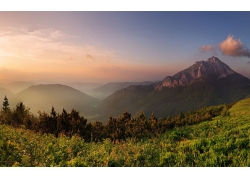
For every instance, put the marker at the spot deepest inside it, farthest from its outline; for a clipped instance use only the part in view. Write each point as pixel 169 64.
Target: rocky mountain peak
pixel 213 60
pixel 212 67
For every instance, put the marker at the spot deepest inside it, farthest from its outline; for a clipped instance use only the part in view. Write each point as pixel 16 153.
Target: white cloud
pixel 234 47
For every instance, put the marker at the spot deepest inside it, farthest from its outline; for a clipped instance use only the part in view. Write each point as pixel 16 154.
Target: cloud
pixel 47 45
pixel 208 48
pixel 233 47
pixel 89 56
pixel 205 48
pixel 248 62
pixel 47 33
pixel 40 53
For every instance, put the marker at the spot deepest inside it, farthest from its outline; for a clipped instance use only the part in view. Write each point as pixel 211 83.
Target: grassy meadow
pixel 222 141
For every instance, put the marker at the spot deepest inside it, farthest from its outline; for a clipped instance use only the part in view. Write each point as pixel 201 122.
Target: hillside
pixel 105 90
pixel 43 97
pixel 85 87
pixel 223 141
pixel 4 92
pixel 205 83
pixel 17 86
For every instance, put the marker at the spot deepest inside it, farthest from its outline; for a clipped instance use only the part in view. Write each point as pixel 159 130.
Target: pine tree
pixel 19 113
pixel 5 104
pixel 152 117
pixel 5 115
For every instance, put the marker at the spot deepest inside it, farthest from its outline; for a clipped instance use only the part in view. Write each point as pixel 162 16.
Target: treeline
pixel 117 129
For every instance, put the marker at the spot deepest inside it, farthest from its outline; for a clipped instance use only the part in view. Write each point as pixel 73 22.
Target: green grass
pixel 223 141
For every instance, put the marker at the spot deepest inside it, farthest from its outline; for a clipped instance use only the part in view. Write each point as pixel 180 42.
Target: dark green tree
pixel 5 115
pixel 27 121
pixel 53 122
pixel 5 104
pixel 77 123
pixel 63 123
pixel 19 114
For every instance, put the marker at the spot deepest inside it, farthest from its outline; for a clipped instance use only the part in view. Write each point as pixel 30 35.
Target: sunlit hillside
pixel 222 141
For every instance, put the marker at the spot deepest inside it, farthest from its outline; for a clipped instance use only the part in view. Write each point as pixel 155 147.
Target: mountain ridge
pixel 211 67
pixel 43 96
pixel 212 83
pixel 105 90
pixel 17 86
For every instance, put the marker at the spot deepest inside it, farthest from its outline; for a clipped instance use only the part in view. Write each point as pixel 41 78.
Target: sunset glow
pixel 116 46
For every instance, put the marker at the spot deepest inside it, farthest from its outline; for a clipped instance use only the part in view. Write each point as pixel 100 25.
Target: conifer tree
pixel 5 104
pixel 152 117
pixel 19 113
pixel 5 114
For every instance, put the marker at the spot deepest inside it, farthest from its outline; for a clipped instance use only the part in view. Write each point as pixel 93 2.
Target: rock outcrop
pixel 211 67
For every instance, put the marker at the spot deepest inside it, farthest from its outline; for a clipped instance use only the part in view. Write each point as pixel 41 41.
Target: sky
pixel 112 46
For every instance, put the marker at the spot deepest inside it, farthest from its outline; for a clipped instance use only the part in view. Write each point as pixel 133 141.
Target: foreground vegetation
pixel 222 141
pixel 117 129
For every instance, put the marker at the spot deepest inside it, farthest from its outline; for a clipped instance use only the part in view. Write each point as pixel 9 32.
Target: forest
pixel 117 129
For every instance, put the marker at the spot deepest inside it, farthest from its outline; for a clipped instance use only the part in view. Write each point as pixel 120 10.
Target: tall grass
pixel 223 141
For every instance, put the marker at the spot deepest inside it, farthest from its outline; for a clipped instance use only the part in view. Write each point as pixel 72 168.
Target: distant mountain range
pixel 43 97
pixel 86 87
pixel 105 90
pixel 17 86
pixel 205 83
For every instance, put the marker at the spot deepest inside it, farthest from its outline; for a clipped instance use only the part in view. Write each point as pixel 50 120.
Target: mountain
pixel 43 97
pixel 85 87
pixel 107 89
pixel 17 86
pixel 213 67
pixel 205 83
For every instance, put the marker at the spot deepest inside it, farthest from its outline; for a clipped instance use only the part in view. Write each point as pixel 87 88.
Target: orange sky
pixel 48 54
pixel 117 46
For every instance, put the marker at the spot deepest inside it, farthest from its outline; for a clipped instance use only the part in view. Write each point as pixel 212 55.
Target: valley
pixel 205 83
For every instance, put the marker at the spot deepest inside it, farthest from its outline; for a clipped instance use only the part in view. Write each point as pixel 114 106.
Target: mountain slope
pixel 85 87
pixel 220 142
pixel 17 86
pixel 205 83
pixel 213 67
pixel 107 89
pixel 43 97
